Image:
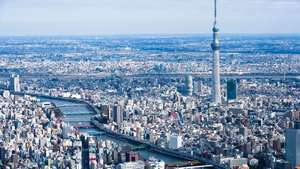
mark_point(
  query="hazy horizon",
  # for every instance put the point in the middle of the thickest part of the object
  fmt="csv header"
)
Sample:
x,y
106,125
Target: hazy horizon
x,y
146,17
157,35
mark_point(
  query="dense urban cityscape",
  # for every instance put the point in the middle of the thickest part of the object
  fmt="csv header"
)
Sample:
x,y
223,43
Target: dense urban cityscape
x,y
226,101
168,107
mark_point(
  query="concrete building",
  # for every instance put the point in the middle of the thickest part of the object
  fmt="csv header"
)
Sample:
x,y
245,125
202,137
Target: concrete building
x,y
14,84
231,89
175,142
117,114
189,85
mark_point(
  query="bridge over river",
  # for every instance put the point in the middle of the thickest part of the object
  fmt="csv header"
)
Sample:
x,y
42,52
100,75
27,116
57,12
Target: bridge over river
x,y
79,114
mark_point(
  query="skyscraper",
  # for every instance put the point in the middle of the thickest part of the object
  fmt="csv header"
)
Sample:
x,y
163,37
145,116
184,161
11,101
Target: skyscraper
x,y
14,84
216,88
231,89
117,114
189,85
292,145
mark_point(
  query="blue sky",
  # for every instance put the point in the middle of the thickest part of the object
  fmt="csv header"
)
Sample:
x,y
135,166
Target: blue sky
x,y
106,17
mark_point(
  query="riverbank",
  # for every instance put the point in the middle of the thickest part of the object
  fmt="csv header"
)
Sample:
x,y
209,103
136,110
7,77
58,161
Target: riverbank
x,y
79,113
83,117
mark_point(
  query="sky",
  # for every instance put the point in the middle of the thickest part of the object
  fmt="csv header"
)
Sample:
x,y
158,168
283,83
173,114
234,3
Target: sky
x,y
118,17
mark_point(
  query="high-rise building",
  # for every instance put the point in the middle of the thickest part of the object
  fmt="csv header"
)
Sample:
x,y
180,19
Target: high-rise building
x,y
189,85
175,142
106,110
215,45
117,114
231,89
292,145
14,84
85,152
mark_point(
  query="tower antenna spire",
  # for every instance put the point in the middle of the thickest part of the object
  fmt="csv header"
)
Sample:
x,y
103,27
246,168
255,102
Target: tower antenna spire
x,y
215,13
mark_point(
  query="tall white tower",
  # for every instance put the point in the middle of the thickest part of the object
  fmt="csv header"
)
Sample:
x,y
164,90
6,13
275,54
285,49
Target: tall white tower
x,y
215,45
15,83
189,85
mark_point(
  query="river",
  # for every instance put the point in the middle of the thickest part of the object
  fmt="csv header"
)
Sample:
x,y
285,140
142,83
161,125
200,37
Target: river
x,y
80,114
